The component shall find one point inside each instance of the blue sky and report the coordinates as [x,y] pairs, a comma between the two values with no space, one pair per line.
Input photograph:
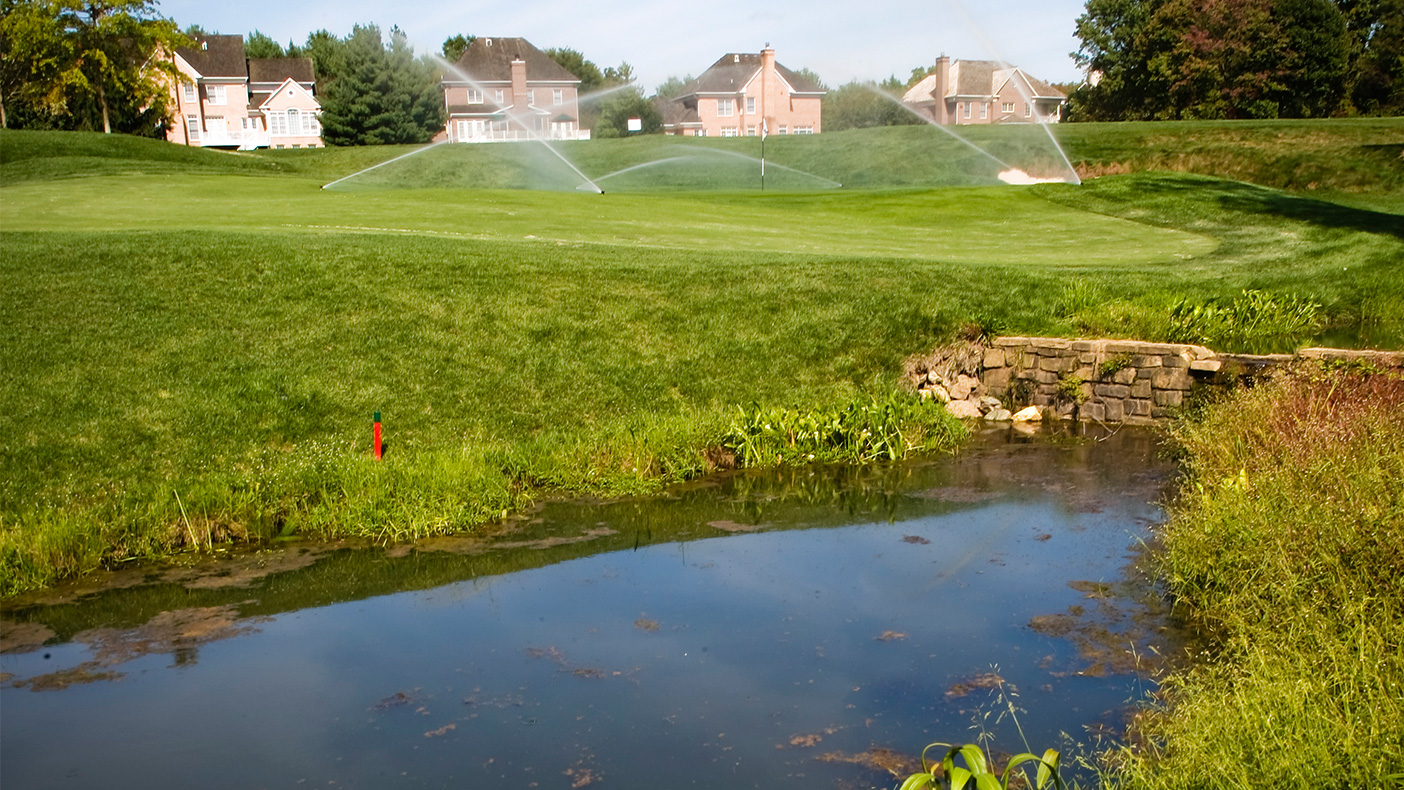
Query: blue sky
[839,39]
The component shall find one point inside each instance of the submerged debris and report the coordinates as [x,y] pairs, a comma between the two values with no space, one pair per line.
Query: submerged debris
[983,681]
[877,759]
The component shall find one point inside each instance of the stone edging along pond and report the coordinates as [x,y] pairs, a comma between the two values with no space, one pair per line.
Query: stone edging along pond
[1115,381]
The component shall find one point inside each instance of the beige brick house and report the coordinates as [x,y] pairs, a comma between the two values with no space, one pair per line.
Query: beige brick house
[505,89]
[741,95]
[959,92]
[225,100]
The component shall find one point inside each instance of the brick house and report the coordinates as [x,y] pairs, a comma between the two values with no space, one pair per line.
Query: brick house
[742,93]
[505,89]
[962,92]
[225,100]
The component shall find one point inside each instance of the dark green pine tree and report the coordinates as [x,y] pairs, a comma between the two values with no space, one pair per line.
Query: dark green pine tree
[383,95]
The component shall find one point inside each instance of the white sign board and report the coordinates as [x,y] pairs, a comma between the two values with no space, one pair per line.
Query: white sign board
[636,124]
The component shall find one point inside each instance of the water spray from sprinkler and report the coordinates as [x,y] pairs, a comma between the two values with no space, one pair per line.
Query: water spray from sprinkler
[589,184]
[932,122]
[990,48]
[386,162]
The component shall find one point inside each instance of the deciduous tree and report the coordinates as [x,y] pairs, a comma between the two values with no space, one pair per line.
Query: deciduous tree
[78,64]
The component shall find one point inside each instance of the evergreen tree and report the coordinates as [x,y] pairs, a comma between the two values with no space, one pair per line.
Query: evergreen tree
[382,95]
[455,46]
[259,45]
[328,54]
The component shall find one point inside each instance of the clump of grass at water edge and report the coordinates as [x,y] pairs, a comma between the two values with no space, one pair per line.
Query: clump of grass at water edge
[1286,550]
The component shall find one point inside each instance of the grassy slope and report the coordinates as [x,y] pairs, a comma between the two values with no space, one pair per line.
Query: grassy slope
[225,337]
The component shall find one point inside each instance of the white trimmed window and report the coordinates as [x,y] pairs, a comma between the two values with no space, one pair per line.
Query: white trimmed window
[804,130]
[784,130]
[215,93]
[1028,110]
[557,96]
[728,131]
[278,124]
[192,125]
[983,109]
[475,96]
[500,97]
[750,105]
[725,108]
[192,94]
[751,130]
[1007,107]
[966,112]
[294,121]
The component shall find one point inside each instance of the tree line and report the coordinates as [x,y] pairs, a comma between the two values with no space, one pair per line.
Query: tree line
[1203,59]
[104,65]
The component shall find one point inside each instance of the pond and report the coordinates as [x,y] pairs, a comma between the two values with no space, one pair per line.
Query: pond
[810,627]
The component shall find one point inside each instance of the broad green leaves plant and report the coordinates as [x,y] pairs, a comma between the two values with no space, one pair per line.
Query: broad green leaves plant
[885,429]
[976,772]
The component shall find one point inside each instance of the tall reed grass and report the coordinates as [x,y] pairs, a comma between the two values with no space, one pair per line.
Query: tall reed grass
[1287,551]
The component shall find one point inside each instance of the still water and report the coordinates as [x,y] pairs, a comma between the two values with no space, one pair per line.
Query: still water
[806,628]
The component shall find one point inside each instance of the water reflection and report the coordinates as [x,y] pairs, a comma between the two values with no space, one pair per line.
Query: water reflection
[787,628]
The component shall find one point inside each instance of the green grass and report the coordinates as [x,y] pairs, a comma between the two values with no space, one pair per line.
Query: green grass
[223,332]
[1286,552]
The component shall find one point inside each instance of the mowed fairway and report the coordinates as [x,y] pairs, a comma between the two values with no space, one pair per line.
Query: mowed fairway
[187,356]
[990,225]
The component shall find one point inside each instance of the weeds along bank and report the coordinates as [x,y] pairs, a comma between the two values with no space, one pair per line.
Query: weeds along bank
[1287,550]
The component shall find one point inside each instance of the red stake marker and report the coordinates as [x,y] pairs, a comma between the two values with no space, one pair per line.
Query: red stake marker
[377,436]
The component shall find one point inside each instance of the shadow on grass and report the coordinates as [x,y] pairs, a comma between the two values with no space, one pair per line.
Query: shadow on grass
[1253,199]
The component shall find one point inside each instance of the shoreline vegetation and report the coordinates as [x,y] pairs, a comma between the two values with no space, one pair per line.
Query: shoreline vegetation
[1286,552]
[196,340]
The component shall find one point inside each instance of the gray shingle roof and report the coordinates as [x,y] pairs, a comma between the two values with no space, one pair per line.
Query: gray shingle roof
[675,112]
[977,78]
[734,69]
[974,77]
[279,69]
[490,59]
[216,56]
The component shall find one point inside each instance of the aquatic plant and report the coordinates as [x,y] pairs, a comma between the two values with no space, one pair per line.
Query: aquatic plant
[975,771]
[886,428]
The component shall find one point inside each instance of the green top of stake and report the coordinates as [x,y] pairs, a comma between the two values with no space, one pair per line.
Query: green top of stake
[377,416]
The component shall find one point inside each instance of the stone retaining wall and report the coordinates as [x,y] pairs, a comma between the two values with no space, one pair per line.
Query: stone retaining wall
[1099,380]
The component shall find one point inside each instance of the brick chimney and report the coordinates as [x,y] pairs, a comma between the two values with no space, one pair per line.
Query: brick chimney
[520,98]
[939,112]
[770,87]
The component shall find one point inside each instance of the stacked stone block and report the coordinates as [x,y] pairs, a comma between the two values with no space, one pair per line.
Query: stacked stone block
[1123,380]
